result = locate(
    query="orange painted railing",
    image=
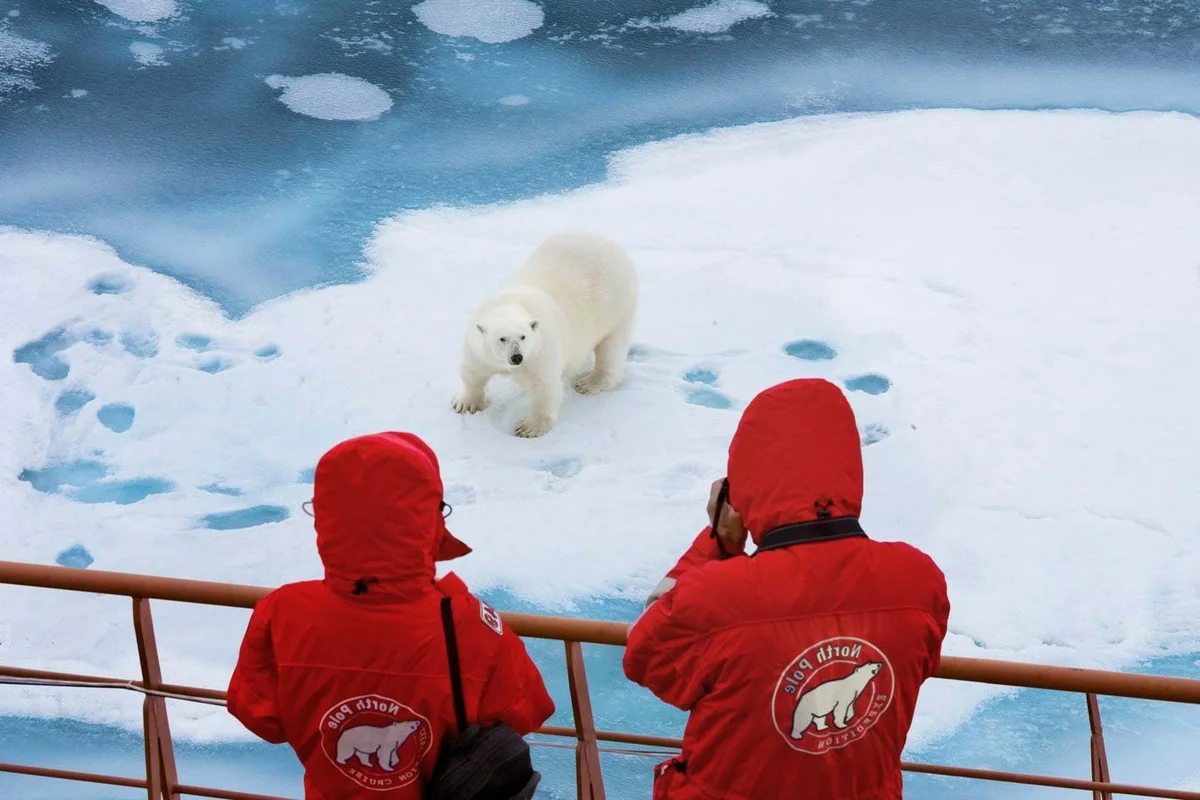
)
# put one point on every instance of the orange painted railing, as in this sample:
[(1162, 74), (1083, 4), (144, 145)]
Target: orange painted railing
[(162, 780)]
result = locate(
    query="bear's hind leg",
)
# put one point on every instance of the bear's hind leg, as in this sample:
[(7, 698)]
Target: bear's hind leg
[(609, 370)]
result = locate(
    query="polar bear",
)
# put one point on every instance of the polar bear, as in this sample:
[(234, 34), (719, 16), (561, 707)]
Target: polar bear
[(363, 741), (574, 298), (836, 697)]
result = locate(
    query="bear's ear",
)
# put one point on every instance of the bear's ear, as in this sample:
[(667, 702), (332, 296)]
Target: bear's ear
[(482, 330), (533, 325)]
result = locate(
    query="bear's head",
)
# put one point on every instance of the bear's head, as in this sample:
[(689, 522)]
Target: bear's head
[(507, 339), (871, 668)]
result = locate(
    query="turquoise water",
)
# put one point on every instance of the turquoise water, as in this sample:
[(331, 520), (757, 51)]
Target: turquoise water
[(1029, 731)]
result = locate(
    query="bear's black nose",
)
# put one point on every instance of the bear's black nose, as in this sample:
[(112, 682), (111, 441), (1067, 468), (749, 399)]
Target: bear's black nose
[(516, 358)]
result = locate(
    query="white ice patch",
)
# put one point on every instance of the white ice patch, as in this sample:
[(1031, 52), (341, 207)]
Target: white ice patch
[(140, 10), (493, 22), (514, 100), (148, 54), (716, 17), (18, 58), (332, 96), (78, 93), (1013, 293)]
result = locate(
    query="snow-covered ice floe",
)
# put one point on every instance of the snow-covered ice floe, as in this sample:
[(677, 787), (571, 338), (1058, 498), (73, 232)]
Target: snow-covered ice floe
[(1008, 297)]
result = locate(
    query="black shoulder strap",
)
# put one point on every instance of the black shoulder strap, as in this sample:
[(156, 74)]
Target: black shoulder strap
[(460, 706), (819, 530)]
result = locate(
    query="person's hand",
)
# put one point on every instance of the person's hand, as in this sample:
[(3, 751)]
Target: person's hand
[(729, 527)]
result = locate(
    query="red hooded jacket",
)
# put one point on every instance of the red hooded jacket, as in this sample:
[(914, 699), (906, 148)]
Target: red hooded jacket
[(800, 665), (352, 671)]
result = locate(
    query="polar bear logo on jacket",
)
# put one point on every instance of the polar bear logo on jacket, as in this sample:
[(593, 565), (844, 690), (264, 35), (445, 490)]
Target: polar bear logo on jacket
[(834, 698), (364, 741)]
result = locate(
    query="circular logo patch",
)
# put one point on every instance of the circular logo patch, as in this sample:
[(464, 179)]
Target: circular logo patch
[(832, 694), (375, 741)]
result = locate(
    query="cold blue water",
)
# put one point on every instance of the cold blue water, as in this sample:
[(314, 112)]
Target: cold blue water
[(186, 161), (1030, 731)]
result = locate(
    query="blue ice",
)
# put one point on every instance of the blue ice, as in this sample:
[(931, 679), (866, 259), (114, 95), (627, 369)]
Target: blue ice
[(218, 488), (42, 355), (707, 397), (810, 350), (124, 492), (870, 383), (703, 375), (214, 364), (194, 341), (117, 417), (250, 517), (108, 284), (75, 556), (52, 478), (307, 475), (267, 352), (71, 400)]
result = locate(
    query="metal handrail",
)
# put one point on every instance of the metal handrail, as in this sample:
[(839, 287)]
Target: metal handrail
[(162, 781)]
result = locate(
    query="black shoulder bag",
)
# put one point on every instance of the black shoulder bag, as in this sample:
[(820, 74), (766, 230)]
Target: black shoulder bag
[(479, 763)]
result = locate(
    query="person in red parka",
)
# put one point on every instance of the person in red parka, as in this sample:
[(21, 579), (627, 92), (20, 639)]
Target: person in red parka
[(800, 663), (352, 671)]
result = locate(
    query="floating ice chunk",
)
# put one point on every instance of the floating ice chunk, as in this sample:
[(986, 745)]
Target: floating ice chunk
[(140, 10), (148, 54), (514, 100), (716, 17), (78, 93), (18, 57), (493, 22), (234, 42), (331, 95)]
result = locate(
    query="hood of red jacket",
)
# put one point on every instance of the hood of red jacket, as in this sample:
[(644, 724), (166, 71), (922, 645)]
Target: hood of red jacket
[(796, 456), (377, 504)]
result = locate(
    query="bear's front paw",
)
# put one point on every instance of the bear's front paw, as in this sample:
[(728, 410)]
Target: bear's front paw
[(468, 405), (531, 428)]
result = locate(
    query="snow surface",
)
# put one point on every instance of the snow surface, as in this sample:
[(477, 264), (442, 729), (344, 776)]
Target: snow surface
[(140, 10), (332, 96), (148, 54), (493, 22), (1024, 282), (716, 17)]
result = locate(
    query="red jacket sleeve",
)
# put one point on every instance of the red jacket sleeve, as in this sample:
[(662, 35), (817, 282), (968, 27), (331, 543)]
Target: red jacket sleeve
[(940, 612), (252, 696), (667, 645), (515, 694)]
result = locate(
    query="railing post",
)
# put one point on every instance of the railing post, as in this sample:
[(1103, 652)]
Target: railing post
[(153, 757), (1099, 756), (589, 781), (157, 726)]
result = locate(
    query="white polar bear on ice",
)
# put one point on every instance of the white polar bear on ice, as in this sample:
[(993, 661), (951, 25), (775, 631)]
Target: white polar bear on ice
[(576, 296), (836, 697), (384, 743)]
